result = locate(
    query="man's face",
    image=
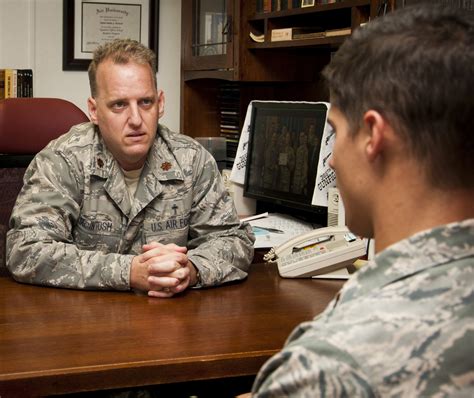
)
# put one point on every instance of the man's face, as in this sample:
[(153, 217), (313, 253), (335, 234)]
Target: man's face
[(126, 109), (348, 161)]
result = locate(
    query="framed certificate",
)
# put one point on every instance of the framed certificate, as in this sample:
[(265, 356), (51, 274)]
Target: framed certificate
[(307, 3), (88, 24)]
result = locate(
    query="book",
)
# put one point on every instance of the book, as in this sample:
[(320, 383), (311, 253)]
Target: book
[(289, 33), (28, 87), (14, 89), (311, 35), (279, 5), (338, 32), (9, 83), (21, 90), (267, 5), (2, 83)]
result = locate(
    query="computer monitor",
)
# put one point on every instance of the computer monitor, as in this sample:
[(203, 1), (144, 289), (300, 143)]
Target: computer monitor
[(282, 159)]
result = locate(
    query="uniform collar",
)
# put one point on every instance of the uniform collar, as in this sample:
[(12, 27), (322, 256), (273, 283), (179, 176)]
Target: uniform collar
[(161, 165), (160, 162), (421, 251)]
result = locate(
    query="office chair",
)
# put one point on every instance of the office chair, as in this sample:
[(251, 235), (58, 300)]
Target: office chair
[(26, 127)]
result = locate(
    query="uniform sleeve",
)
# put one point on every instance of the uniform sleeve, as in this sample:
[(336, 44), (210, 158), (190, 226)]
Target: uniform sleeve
[(220, 246), (311, 369), (40, 247)]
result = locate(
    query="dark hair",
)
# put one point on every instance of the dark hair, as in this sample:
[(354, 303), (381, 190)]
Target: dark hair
[(415, 67), (120, 51)]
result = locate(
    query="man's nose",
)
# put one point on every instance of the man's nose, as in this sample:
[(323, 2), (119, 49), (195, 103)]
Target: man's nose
[(135, 118)]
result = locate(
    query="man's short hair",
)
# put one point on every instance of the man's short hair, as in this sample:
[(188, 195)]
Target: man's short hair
[(415, 67), (120, 51)]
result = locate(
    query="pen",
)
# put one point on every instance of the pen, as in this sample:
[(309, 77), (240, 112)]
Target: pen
[(262, 215), (274, 230)]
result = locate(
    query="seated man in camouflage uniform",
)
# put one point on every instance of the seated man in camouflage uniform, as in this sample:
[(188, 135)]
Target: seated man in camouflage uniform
[(122, 202), (402, 106)]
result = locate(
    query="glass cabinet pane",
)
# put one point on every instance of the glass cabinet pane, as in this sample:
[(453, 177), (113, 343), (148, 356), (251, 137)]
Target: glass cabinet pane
[(210, 27)]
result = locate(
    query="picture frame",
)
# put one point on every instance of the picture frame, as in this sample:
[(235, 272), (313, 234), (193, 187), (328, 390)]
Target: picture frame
[(307, 3), (87, 24)]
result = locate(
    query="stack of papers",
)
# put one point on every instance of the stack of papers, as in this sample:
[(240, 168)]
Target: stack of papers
[(273, 229)]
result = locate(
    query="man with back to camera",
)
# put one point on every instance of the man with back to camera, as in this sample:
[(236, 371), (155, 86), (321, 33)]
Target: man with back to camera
[(122, 202), (402, 99)]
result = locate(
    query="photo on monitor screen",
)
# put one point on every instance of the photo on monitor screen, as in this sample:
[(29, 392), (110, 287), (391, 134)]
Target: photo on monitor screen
[(284, 144)]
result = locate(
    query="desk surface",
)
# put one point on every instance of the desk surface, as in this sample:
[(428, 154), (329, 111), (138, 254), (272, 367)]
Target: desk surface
[(61, 341)]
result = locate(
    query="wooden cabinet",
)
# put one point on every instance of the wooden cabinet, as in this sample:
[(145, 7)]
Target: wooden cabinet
[(207, 36), (284, 70)]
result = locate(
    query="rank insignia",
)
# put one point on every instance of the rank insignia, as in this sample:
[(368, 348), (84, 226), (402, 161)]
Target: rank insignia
[(165, 166)]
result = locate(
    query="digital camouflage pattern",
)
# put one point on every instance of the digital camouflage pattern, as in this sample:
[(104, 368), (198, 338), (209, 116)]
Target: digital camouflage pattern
[(403, 326), (74, 225)]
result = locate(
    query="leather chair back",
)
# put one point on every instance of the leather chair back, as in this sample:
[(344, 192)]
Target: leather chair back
[(27, 125)]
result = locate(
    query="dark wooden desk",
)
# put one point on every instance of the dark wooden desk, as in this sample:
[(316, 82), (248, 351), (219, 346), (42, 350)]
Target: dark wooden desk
[(55, 341)]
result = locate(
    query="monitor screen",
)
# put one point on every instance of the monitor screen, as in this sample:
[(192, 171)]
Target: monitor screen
[(282, 160)]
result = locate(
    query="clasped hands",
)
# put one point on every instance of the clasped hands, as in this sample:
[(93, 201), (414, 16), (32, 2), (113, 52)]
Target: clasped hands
[(162, 270)]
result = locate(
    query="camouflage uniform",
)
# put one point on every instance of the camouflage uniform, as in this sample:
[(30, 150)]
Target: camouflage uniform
[(402, 327), (74, 225)]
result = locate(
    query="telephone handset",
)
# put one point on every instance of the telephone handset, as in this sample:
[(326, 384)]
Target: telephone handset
[(317, 252)]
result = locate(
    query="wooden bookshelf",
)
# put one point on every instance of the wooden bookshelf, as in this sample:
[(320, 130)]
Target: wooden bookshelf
[(285, 70)]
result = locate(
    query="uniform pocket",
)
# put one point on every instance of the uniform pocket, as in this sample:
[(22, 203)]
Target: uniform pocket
[(97, 232), (166, 226)]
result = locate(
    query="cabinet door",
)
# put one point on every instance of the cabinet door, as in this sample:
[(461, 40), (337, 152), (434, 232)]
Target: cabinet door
[(207, 27)]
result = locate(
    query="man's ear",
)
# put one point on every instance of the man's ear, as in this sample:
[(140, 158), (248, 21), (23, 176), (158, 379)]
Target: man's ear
[(376, 126), (92, 107), (161, 104)]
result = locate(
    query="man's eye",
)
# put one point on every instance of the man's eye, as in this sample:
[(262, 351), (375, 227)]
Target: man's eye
[(147, 102), (118, 105)]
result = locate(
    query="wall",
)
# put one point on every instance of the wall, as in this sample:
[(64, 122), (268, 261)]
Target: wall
[(31, 37)]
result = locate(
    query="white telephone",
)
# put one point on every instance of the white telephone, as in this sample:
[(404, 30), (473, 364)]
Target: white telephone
[(317, 252)]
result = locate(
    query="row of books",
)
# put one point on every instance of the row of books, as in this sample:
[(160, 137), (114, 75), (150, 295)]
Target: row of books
[(281, 5), (464, 4), (276, 5), (229, 112), (15, 83)]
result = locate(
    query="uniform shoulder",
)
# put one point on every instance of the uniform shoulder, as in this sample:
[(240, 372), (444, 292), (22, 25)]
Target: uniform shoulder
[(78, 136), (177, 139), (74, 147)]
